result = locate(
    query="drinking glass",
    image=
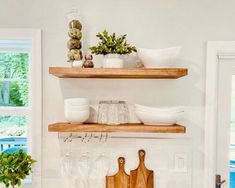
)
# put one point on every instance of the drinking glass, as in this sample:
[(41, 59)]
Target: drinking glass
[(113, 112), (103, 112), (66, 166), (99, 171), (123, 113), (83, 168)]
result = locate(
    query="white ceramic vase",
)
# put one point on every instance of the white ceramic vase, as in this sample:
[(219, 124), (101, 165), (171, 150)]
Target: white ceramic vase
[(113, 61), (77, 64)]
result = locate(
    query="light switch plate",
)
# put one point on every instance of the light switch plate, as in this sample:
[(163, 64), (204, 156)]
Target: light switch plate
[(181, 162)]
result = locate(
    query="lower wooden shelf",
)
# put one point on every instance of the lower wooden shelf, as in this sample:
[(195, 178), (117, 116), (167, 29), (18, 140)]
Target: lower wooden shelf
[(135, 128)]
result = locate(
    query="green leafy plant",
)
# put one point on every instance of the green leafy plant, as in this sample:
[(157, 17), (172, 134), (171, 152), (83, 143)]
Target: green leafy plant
[(15, 167), (111, 44)]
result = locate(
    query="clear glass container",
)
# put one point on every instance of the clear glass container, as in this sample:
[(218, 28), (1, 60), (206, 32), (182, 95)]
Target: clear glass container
[(75, 38), (113, 112), (73, 14)]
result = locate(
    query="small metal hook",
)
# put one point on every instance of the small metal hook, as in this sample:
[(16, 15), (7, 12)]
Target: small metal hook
[(69, 138), (90, 137), (83, 139), (106, 137), (101, 136)]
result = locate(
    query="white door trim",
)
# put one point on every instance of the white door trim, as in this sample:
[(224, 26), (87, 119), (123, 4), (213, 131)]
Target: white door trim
[(214, 49)]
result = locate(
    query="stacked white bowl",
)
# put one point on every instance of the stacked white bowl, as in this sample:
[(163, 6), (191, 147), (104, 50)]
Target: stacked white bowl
[(158, 116), (77, 110)]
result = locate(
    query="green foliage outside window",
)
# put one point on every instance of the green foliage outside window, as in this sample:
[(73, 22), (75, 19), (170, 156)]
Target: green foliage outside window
[(14, 69), (14, 66)]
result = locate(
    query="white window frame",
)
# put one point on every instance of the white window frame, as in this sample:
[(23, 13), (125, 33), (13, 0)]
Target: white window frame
[(214, 48), (35, 97)]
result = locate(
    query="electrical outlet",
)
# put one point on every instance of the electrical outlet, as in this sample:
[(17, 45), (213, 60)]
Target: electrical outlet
[(181, 162)]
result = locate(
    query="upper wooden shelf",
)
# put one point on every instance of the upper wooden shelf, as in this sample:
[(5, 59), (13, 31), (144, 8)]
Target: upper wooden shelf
[(134, 128), (134, 73)]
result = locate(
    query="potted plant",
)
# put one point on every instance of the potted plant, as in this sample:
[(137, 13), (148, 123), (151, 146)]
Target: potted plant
[(15, 167), (112, 47)]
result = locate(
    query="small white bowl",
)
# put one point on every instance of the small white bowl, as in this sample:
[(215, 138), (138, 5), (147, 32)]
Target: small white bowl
[(78, 117), (76, 101), (156, 118), (158, 58), (76, 108)]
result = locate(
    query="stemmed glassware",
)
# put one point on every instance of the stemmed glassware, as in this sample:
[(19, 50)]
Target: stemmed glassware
[(82, 169), (98, 172), (66, 162), (82, 173)]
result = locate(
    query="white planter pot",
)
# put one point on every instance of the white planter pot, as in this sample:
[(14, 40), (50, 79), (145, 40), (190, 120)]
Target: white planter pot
[(78, 64), (113, 61)]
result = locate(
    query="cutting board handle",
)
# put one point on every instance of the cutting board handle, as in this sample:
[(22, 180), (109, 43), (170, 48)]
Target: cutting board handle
[(121, 163), (141, 155)]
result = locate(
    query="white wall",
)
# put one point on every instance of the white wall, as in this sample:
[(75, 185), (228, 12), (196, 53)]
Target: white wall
[(151, 24)]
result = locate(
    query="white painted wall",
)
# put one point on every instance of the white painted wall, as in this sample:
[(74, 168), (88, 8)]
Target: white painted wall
[(151, 24)]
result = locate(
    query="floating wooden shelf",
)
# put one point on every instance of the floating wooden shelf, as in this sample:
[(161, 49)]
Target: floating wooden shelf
[(134, 73), (67, 127)]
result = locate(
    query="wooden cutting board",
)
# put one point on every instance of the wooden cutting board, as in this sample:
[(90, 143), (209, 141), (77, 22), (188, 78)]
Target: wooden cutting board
[(121, 179), (141, 177)]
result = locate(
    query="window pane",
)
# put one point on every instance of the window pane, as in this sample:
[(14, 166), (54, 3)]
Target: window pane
[(13, 93), (14, 65), (13, 133), (13, 126)]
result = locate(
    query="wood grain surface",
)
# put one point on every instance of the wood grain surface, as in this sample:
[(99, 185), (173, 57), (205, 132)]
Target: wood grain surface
[(135, 73), (121, 179), (141, 177), (67, 127)]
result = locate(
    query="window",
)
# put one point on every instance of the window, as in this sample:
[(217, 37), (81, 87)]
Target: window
[(14, 94), (20, 95)]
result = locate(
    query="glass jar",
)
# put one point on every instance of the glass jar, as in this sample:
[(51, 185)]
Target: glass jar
[(113, 112), (73, 15), (74, 43)]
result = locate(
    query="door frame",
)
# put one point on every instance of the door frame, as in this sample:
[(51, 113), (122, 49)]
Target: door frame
[(214, 48)]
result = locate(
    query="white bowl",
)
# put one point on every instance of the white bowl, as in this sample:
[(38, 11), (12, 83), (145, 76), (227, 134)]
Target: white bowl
[(173, 109), (76, 101), (76, 108), (158, 58), (77, 116), (156, 118)]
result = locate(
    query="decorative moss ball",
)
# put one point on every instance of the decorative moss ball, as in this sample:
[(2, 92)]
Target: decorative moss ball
[(75, 33), (74, 44), (75, 54), (75, 24)]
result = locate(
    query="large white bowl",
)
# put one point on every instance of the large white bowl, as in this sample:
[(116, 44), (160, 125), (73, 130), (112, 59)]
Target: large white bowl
[(76, 101), (156, 118), (76, 108), (173, 109), (158, 58), (77, 116)]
